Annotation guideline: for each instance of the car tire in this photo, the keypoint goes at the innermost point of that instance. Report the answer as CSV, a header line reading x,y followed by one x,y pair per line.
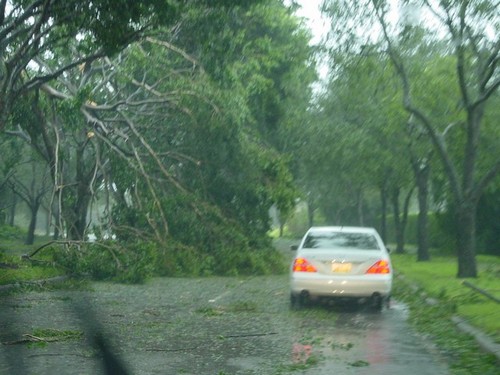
x,y
377,303
297,302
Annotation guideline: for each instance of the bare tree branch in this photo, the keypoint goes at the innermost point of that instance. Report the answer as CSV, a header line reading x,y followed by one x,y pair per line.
x,y
175,49
436,138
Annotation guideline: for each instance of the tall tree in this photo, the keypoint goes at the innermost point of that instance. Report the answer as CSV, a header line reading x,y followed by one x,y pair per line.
x,y
475,54
476,57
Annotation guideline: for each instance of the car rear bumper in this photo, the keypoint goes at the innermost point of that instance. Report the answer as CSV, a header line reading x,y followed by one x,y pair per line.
x,y
326,286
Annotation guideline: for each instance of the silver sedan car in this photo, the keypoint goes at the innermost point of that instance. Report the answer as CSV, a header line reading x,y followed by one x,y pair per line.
x,y
342,263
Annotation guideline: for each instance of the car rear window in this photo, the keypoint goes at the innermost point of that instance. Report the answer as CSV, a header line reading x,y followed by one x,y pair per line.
x,y
341,240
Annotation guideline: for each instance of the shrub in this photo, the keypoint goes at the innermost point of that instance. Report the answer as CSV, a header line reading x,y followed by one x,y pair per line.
x,y
181,260
487,223
108,260
439,238
177,259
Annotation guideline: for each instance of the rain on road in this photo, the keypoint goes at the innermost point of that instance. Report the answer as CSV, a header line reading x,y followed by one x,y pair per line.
x,y
210,326
365,342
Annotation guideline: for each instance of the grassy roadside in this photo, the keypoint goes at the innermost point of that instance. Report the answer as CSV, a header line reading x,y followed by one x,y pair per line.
x,y
437,280
15,269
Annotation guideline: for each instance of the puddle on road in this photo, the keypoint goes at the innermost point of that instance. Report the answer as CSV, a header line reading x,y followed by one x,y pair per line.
x,y
364,342
247,363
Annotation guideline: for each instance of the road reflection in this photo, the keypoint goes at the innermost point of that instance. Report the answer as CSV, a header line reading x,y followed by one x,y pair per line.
x,y
363,341
301,353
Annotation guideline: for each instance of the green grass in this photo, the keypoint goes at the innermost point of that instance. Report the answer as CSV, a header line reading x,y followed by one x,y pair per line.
x,y
26,272
14,245
438,279
42,336
14,269
51,334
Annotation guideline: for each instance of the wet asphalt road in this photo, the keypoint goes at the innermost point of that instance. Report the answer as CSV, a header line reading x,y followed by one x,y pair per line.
x,y
213,326
381,343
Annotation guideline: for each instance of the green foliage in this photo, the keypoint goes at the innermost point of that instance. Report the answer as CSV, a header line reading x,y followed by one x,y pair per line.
x,y
13,272
186,261
482,313
108,261
9,233
42,336
355,145
202,240
176,259
223,252
487,223
298,223
261,59
439,238
111,23
52,334
207,166
222,155
13,268
209,311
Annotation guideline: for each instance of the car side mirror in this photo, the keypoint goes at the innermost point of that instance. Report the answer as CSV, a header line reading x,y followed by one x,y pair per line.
x,y
388,250
294,247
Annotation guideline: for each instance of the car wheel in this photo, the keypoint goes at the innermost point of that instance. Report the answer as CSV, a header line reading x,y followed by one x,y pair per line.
x,y
377,303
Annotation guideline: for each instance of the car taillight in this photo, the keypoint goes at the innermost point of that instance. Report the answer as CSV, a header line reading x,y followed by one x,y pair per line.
x,y
302,265
382,266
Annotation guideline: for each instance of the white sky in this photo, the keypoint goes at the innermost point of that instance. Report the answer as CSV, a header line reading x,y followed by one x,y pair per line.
x,y
310,10
319,27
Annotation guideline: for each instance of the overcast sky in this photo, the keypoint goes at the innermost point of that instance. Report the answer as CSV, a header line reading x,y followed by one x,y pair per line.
x,y
310,10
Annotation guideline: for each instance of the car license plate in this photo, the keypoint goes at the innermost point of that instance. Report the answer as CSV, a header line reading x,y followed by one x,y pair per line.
x,y
341,267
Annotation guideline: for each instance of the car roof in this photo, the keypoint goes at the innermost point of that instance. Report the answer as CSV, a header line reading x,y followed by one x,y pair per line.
x,y
348,229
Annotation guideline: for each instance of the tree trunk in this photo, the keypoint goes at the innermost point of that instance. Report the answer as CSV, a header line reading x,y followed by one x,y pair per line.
x,y
466,227
12,214
383,216
30,237
57,220
76,222
422,174
47,223
80,196
398,227
404,220
310,213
